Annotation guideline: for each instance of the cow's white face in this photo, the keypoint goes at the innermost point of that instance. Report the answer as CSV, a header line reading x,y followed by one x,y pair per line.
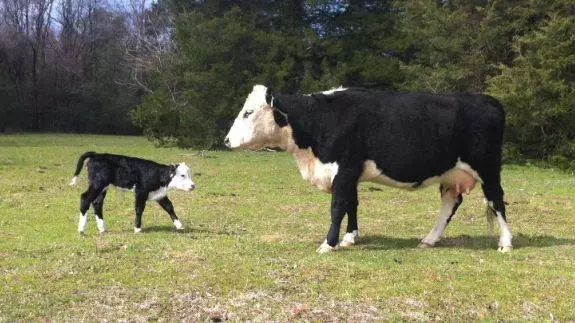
x,y
182,178
254,126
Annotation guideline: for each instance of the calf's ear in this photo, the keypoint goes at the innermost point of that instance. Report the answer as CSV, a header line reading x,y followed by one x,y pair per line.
x,y
173,170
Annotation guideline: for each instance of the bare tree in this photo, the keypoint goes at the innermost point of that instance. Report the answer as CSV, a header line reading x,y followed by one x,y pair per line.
x,y
27,22
62,61
150,49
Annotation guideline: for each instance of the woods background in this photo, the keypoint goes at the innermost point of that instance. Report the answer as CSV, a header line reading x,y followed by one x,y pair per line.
x,y
179,70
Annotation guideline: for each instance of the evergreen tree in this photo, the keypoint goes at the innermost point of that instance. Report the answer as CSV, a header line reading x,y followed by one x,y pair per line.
x,y
538,89
518,51
223,50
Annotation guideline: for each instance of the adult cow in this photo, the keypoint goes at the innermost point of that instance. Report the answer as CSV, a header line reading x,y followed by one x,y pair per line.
x,y
407,140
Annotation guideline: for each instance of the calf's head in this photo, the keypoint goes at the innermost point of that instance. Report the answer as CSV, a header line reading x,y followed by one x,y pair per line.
x,y
256,126
181,177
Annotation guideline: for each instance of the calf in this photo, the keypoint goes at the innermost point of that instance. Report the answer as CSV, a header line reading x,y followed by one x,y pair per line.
x,y
147,179
407,140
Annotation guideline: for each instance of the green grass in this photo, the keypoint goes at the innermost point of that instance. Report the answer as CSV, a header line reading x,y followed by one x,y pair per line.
x,y
248,248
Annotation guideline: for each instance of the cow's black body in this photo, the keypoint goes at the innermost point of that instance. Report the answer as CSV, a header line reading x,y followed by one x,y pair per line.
x,y
411,137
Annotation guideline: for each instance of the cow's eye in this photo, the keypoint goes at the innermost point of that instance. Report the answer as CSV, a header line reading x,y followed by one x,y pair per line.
x,y
247,113
182,176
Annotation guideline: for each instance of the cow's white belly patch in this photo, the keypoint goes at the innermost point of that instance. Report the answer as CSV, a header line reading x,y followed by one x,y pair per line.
x,y
322,175
372,174
313,170
319,174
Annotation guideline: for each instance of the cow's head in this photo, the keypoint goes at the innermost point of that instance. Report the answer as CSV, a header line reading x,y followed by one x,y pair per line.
x,y
258,124
181,177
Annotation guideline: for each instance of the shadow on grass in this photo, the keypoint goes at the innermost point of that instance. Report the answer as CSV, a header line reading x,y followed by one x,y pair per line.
x,y
188,229
463,241
166,228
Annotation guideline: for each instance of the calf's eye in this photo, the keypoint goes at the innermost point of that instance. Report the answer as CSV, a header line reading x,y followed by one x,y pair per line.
x,y
182,176
247,113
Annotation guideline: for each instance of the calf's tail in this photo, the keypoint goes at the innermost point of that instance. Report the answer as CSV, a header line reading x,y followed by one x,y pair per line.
x,y
80,164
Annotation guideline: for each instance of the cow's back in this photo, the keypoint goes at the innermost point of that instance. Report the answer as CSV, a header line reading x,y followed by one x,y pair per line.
x,y
414,136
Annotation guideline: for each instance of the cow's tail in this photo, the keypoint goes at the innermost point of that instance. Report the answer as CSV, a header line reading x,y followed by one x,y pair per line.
x,y
80,164
490,215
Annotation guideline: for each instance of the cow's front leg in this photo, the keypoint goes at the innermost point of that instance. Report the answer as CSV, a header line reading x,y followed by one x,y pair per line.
x,y
344,196
352,232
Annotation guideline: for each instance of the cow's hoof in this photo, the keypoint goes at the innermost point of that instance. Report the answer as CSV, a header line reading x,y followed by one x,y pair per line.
x,y
325,248
137,230
178,225
505,249
348,239
425,245
81,233
345,243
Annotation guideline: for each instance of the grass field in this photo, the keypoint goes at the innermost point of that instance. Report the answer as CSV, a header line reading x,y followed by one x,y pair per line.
x,y
248,248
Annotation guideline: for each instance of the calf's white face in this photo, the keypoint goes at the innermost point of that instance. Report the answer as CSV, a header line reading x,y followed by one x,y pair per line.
x,y
182,179
254,126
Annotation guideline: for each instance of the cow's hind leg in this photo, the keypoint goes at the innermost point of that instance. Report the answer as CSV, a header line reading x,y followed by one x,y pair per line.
x,y
496,208
98,205
352,232
450,201
85,199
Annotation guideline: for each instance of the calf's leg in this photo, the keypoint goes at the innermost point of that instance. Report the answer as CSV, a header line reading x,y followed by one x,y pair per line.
x,y
98,205
85,199
140,205
166,204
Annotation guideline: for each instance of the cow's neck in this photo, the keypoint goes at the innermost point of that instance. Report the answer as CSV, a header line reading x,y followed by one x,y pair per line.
x,y
309,166
285,139
293,104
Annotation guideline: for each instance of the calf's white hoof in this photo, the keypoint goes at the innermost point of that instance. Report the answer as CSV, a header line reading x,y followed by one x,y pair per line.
x,y
325,248
82,222
178,225
137,230
505,249
101,226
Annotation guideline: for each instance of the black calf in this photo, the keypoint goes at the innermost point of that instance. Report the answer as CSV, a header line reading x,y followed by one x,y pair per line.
x,y
147,179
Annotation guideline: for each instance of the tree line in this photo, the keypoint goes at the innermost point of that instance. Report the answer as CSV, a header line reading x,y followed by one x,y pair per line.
x,y
64,65
179,69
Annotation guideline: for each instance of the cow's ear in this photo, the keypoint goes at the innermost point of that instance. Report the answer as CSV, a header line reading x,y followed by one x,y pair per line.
x,y
270,97
280,118
173,170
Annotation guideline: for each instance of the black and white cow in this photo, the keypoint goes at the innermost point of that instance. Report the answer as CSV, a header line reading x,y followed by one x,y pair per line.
x,y
407,140
147,179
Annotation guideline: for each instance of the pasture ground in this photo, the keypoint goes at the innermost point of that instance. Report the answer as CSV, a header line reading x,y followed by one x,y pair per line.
x,y
248,248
